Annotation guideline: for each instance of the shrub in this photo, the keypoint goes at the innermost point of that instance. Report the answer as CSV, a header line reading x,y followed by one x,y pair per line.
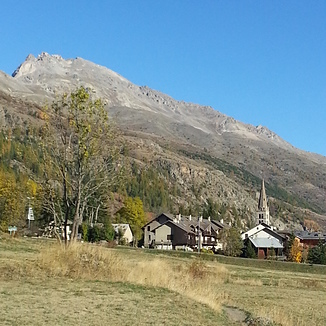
x,y
317,255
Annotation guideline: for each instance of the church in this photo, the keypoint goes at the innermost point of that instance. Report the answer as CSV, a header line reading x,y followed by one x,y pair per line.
x,y
263,238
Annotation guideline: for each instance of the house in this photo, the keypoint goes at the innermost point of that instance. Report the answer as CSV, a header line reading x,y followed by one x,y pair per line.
x,y
264,240
310,239
125,232
182,232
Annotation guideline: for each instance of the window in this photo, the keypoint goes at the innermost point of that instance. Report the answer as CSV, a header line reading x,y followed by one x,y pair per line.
x,y
169,237
148,228
149,237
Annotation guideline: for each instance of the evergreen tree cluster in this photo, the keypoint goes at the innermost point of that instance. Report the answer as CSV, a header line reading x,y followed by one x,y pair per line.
x,y
151,186
317,254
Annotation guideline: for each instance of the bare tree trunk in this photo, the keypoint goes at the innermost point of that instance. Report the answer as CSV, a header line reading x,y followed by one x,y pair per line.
x,y
57,235
66,203
96,215
77,216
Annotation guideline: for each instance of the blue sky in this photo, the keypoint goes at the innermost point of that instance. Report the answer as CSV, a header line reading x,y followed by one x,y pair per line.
x,y
261,62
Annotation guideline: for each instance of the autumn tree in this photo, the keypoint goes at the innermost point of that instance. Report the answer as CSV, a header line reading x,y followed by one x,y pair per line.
x,y
295,253
12,204
81,155
133,213
13,199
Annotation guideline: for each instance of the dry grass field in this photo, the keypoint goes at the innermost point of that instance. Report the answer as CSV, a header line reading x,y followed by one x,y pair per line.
x,y
42,283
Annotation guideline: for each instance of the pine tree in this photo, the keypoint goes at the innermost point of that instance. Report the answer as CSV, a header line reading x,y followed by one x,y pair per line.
x,y
249,250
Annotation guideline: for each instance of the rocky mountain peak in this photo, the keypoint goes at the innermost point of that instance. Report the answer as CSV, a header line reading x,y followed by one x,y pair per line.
x,y
177,126
32,63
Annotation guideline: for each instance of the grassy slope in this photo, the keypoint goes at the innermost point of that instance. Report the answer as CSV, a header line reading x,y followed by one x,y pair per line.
x,y
150,288
27,297
65,302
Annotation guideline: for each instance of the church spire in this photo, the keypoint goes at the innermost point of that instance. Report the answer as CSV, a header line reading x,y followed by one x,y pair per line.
x,y
263,210
262,203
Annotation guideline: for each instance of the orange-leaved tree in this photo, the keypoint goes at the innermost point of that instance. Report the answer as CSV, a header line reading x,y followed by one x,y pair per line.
x,y
295,254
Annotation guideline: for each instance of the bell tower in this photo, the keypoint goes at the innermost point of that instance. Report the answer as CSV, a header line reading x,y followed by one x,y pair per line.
x,y
263,209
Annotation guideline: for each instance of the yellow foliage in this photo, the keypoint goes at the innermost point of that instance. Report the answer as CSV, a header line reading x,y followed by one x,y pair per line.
x,y
32,188
296,251
12,207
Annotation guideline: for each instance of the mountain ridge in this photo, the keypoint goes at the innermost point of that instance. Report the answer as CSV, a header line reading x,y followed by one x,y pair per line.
x,y
223,123
143,113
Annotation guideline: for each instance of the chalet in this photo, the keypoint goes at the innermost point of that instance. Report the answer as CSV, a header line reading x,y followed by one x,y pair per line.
x,y
149,233
182,232
264,240
310,239
125,232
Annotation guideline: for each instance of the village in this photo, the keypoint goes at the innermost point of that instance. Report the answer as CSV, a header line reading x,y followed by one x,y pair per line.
x,y
189,233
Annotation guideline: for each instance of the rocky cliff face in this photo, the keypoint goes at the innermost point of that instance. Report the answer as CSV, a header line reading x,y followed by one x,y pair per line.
x,y
176,126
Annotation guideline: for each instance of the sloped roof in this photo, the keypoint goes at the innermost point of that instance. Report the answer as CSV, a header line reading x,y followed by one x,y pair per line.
x,y
261,227
122,226
179,225
306,235
219,224
190,224
169,216
266,243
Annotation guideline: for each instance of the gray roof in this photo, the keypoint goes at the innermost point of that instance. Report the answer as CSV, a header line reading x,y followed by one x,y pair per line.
x,y
306,235
266,243
190,224
169,216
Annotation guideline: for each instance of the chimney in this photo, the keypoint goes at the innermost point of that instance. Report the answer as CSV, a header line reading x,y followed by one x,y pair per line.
x,y
221,220
179,217
209,218
189,217
201,219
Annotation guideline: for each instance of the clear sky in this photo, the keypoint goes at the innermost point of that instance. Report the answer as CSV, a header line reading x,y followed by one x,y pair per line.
x,y
261,62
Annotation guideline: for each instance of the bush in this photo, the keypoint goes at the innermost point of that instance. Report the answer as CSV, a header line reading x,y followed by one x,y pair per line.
x,y
206,251
100,232
317,255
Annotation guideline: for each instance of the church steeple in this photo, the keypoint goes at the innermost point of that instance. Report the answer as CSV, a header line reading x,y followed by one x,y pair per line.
x,y
263,209
262,203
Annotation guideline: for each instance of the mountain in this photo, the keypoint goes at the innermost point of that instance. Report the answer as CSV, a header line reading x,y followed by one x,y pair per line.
x,y
198,146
